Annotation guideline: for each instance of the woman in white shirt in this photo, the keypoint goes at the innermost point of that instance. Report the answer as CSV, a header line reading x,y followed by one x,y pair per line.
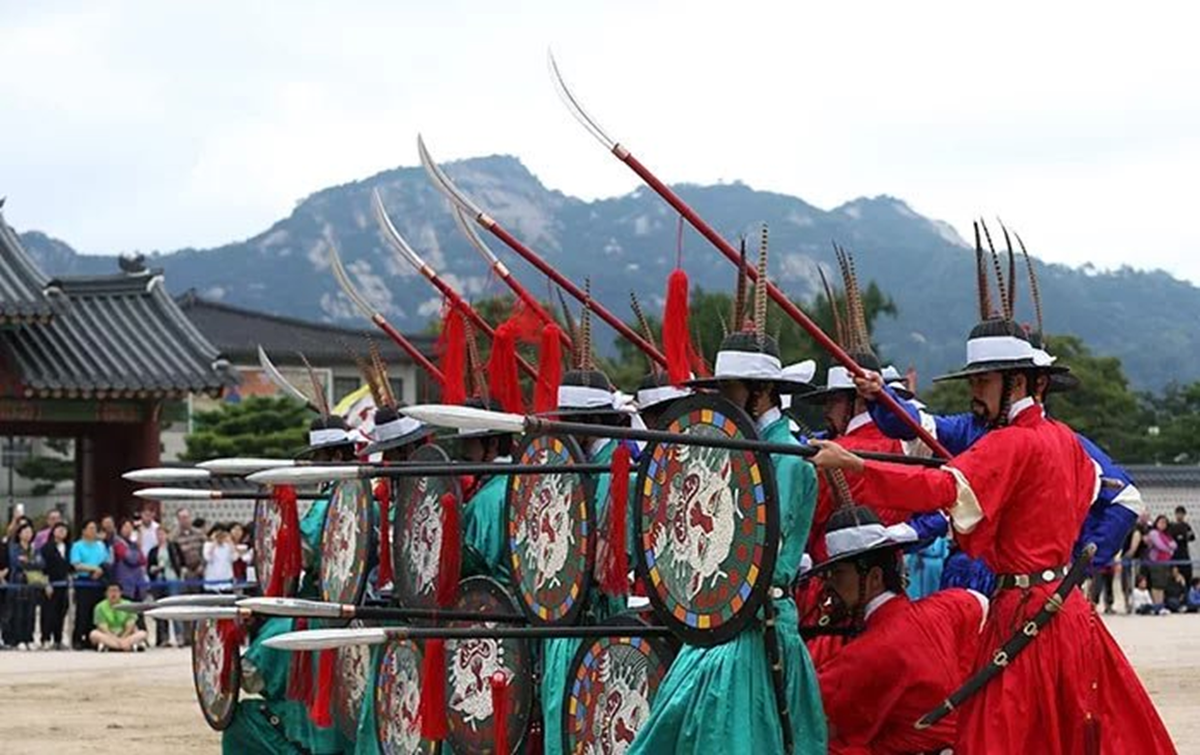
x,y
219,555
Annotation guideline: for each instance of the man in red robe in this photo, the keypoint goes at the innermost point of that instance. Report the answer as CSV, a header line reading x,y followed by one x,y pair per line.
x,y
1017,499
909,656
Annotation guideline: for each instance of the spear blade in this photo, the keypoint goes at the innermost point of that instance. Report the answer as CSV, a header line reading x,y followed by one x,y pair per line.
x,y
166,474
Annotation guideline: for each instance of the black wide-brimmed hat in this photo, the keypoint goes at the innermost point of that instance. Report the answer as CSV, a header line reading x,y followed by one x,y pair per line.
x,y
853,532
656,389
998,343
589,391
326,433
393,430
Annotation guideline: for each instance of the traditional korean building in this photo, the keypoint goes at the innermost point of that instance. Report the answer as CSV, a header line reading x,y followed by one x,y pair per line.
x,y
95,359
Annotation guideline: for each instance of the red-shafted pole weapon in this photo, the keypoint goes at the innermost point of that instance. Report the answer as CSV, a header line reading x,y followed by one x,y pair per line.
x,y
501,270
443,182
405,250
375,316
823,340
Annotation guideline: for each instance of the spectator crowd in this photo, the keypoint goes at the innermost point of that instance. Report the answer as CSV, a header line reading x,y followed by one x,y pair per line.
x,y
1153,571
56,591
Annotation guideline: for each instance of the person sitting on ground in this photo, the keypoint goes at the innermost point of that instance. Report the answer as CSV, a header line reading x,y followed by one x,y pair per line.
x,y
1193,597
1140,602
1175,593
115,630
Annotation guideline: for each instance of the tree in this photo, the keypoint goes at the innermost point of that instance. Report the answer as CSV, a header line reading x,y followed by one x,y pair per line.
x,y
1175,417
47,471
256,426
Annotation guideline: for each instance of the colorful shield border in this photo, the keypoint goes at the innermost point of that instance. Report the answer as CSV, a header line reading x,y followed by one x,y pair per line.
x,y
347,708
404,591
716,614
578,697
208,650
395,657
348,498
560,606
267,521
485,595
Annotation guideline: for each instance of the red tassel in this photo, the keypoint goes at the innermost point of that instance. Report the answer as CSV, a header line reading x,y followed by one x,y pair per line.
x,y
614,578
432,709
450,558
453,347
320,712
300,682
499,713
231,635
288,559
677,338
383,494
503,381
545,396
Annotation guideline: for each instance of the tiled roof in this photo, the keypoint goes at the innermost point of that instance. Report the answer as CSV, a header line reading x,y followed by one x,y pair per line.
x,y
238,332
21,282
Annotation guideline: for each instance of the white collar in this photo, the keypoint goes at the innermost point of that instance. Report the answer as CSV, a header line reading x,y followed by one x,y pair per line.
x,y
859,420
876,602
768,418
1020,406
502,460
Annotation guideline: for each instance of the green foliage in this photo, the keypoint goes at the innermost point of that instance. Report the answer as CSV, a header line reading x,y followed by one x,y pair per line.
x,y
48,471
255,426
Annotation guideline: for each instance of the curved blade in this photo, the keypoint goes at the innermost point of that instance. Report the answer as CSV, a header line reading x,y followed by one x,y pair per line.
x,y
343,280
166,474
573,105
292,607
476,240
276,377
465,418
243,466
443,182
326,639
197,600
178,494
300,475
194,613
389,231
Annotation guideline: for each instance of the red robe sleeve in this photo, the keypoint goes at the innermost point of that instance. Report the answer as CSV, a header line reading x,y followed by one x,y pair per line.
x,y
859,688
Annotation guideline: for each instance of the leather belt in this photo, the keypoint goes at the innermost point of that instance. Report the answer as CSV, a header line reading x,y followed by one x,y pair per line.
x,y
1025,581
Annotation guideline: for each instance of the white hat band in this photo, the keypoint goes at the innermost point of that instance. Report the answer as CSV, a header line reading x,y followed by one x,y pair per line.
x,y
747,365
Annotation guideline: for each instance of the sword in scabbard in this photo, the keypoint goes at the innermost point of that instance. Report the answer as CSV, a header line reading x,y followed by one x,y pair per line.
x,y
406,251
830,346
468,207
1009,651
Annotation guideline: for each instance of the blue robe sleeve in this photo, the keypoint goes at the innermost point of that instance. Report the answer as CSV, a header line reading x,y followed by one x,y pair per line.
x,y
957,432
1115,510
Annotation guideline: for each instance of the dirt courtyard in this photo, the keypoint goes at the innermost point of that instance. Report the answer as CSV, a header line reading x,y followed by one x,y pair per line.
x,y
130,704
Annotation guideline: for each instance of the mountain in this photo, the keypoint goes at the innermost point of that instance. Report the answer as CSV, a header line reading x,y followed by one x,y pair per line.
x,y
629,242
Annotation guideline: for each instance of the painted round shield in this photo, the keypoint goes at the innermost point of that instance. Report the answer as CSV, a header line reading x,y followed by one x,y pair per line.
x,y
417,531
706,523
398,700
268,520
352,672
217,694
611,685
551,532
470,665
346,542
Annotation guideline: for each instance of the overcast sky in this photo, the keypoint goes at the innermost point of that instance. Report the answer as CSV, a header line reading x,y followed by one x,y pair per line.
x,y
152,125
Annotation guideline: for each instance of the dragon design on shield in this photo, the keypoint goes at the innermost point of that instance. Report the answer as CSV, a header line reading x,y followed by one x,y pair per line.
x,y
425,545
474,662
701,516
398,721
622,702
546,534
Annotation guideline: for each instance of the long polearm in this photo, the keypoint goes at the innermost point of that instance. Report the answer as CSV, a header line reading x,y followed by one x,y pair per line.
x,y
623,154
315,609
405,250
381,322
503,273
469,418
461,200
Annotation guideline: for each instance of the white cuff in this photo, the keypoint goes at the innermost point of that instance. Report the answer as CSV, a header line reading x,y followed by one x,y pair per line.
x,y
966,514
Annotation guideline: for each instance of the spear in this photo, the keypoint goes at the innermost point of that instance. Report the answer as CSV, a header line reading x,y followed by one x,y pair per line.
x,y
405,250
839,355
198,494
167,474
381,322
301,475
501,270
326,639
462,201
315,609
470,418
208,601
